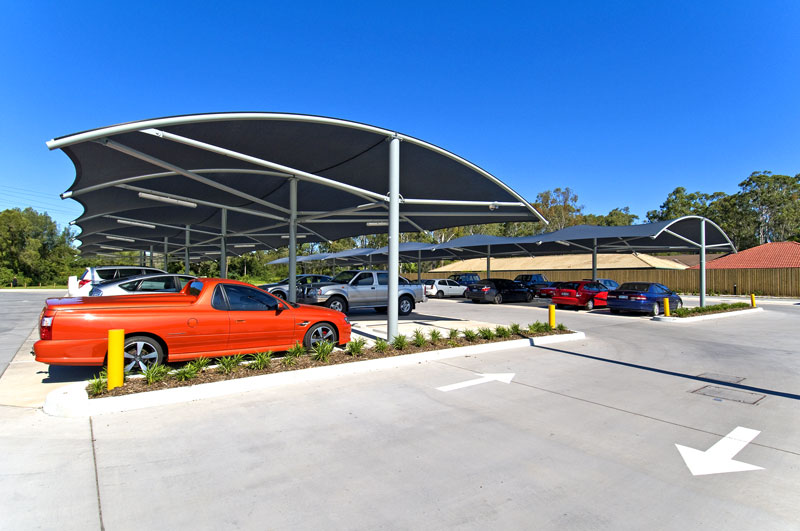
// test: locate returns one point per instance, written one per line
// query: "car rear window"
(569, 285)
(634, 286)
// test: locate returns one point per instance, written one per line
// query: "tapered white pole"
(394, 236)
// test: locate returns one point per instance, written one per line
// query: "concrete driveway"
(584, 437)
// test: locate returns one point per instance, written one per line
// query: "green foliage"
(97, 386)
(715, 308)
(502, 332)
(187, 372)
(322, 351)
(486, 333)
(419, 338)
(515, 328)
(399, 342)
(561, 327)
(434, 335)
(381, 345)
(452, 343)
(155, 373)
(200, 364)
(289, 360)
(260, 360)
(228, 364)
(296, 350)
(539, 328)
(356, 346)
(470, 335)
(453, 334)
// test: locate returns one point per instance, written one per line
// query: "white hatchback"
(81, 286)
(443, 287)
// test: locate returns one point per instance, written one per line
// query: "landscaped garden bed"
(715, 308)
(202, 370)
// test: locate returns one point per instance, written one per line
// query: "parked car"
(143, 284)
(81, 286)
(582, 293)
(465, 279)
(211, 317)
(443, 287)
(644, 297)
(533, 281)
(363, 289)
(498, 290)
(281, 288)
(607, 282)
(550, 290)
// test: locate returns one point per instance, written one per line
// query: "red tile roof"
(769, 255)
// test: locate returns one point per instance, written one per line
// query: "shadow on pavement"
(59, 374)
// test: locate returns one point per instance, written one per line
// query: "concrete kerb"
(710, 316)
(73, 401)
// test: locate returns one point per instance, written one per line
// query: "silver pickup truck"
(362, 289)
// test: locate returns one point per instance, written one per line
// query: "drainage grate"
(729, 394)
(721, 377)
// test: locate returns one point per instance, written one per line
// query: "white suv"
(81, 286)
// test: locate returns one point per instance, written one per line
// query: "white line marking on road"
(497, 377)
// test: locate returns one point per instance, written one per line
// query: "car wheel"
(405, 306)
(280, 295)
(141, 352)
(440, 295)
(589, 306)
(498, 299)
(654, 311)
(528, 297)
(337, 303)
(318, 333)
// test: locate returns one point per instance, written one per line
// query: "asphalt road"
(584, 437)
(20, 311)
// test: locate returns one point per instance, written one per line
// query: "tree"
(679, 204)
(559, 207)
(775, 199)
(616, 218)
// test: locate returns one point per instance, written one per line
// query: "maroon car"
(583, 294)
(550, 290)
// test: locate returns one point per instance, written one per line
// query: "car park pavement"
(583, 437)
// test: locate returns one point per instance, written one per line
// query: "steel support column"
(394, 237)
(151, 257)
(166, 252)
(488, 261)
(594, 259)
(186, 252)
(292, 240)
(223, 251)
(702, 262)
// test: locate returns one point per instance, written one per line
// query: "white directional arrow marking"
(719, 458)
(499, 377)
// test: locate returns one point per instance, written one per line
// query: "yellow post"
(666, 306)
(753, 300)
(116, 346)
(552, 314)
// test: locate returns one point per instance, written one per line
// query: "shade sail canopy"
(228, 174)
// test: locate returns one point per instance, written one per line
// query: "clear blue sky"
(620, 101)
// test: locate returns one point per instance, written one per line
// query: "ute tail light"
(46, 325)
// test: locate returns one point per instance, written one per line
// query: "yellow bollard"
(116, 347)
(552, 314)
(753, 300)
(666, 306)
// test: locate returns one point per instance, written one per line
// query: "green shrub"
(470, 335)
(97, 386)
(515, 328)
(260, 360)
(322, 351)
(539, 328)
(400, 342)
(562, 327)
(200, 364)
(486, 333)
(434, 335)
(289, 360)
(452, 343)
(227, 364)
(296, 350)
(453, 333)
(187, 372)
(419, 338)
(502, 332)
(381, 345)
(155, 373)
(356, 346)
(715, 308)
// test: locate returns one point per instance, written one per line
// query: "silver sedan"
(143, 284)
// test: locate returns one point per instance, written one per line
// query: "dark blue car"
(643, 297)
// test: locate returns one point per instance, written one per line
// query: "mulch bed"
(138, 384)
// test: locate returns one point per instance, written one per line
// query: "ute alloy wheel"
(336, 303)
(318, 333)
(141, 352)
